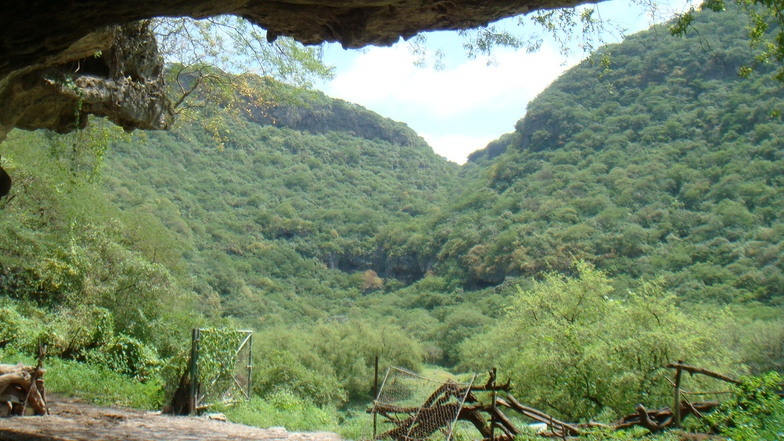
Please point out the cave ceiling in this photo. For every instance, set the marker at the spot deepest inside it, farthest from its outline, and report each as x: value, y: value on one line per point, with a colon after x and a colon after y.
x: 39, y: 40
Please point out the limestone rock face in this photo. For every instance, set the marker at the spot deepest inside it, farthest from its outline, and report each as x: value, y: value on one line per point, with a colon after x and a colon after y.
x: 32, y: 31
x: 115, y: 72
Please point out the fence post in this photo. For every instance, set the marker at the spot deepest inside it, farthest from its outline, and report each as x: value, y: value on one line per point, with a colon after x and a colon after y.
x: 250, y: 365
x: 194, y: 371
x: 676, y: 409
x: 493, y: 404
x: 375, y: 396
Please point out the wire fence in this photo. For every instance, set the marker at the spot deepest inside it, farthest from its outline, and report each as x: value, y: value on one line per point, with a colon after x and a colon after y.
x: 410, y: 407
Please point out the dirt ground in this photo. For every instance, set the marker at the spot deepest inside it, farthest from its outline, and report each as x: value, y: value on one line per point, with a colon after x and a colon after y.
x: 74, y: 420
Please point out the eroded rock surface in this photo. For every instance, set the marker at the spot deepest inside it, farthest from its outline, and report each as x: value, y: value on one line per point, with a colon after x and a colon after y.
x: 115, y: 72
x: 74, y: 420
x: 33, y: 31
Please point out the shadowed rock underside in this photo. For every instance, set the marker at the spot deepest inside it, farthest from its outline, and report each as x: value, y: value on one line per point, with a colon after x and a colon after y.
x: 61, y: 61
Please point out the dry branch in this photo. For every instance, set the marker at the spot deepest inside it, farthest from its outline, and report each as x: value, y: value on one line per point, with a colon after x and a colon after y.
x: 661, y: 418
x: 423, y: 424
x: 538, y: 415
x: 437, y: 413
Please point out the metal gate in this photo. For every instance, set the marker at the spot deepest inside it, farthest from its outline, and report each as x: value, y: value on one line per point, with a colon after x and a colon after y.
x: 221, y: 367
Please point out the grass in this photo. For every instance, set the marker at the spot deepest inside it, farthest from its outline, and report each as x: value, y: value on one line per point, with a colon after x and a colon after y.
x: 95, y: 384
x: 102, y: 386
x: 284, y: 409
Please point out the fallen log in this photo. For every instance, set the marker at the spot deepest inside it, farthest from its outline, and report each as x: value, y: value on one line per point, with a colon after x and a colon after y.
x: 21, y: 386
x: 656, y: 420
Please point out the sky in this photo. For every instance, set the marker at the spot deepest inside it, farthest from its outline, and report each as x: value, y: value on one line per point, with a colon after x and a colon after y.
x: 466, y: 104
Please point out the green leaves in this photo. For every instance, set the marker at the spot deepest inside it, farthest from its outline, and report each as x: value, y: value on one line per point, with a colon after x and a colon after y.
x: 754, y: 412
x: 200, y: 51
x: 682, y: 24
x: 579, y: 347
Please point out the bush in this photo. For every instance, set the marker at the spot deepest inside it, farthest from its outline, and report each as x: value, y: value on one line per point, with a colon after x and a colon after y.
x: 755, y: 412
x: 286, y: 409
x: 298, y: 373
x: 101, y: 385
x: 576, y: 347
x: 75, y: 332
x: 11, y: 326
x: 126, y: 355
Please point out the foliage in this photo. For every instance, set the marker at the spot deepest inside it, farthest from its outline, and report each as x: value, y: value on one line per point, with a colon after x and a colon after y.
x: 75, y: 270
x: 12, y: 326
x: 331, y: 362
x: 573, y: 346
x: 231, y: 42
x: 95, y: 383
x: 661, y: 164
x: 338, y: 235
x: 765, y: 29
x: 101, y: 385
x: 198, y: 50
x: 218, y: 357
x: 284, y: 409
x: 126, y: 355
x: 328, y: 191
x: 755, y: 411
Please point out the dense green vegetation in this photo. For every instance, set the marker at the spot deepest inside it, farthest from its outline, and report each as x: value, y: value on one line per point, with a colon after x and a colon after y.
x: 633, y: 218
x: 664, y: 163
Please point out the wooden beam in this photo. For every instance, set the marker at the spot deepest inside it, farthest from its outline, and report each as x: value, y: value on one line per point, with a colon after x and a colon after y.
x: 695, y: 370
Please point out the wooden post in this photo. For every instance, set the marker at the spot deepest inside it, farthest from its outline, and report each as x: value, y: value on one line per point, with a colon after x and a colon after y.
x: 375, y: 396
x: 193, y: 400
x: 494, y: 398
x: 250, y: 365
x: 676, y: 408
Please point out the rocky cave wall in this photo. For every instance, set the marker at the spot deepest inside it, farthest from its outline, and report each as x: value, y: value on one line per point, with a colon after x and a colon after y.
x: 48, y: 48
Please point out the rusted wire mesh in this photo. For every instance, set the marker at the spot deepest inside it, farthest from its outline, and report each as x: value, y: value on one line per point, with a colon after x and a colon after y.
x: 410, y: 407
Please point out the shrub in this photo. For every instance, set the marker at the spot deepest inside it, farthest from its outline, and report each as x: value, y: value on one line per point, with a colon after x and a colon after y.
x: 126, y: 355
x: 577, y: 347
x: 286, y: 409
x: 11, y: 325
x: 755, y: 412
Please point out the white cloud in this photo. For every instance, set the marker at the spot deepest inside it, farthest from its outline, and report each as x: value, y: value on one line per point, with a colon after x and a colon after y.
x: 456, y: 148
x: 461, y: 107
x: 469, y: 103
x: 388, y: 77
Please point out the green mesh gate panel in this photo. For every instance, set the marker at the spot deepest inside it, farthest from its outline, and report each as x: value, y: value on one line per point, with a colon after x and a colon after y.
x: 221, y: 366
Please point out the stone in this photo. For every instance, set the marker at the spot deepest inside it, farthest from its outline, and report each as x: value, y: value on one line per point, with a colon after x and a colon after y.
x: 116, y: 73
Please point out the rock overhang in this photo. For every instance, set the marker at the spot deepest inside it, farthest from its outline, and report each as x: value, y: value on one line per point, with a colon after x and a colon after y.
x: 40, y: 40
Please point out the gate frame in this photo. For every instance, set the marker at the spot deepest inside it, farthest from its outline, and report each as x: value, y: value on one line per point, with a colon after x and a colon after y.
x: 193, y: 368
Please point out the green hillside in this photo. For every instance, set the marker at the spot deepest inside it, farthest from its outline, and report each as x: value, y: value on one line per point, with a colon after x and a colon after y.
x: 284, y: 204
x: 662, y: 163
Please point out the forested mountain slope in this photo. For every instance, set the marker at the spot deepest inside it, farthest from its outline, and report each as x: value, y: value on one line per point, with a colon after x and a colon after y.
x: 114, y: 246
x: 653, y: 158
x: 281, y: 201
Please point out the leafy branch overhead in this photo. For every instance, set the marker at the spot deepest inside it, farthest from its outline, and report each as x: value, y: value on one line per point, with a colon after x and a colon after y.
x: 765, y: 30
x: 200, y: 52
